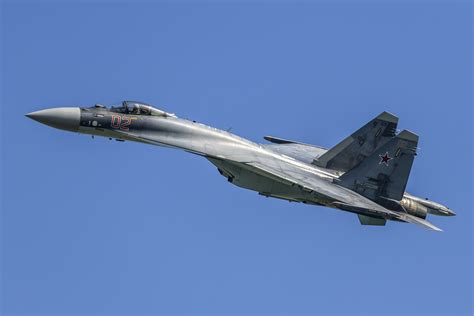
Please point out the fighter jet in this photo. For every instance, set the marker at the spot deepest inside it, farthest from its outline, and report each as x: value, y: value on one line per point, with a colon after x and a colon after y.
x: 365, y: 174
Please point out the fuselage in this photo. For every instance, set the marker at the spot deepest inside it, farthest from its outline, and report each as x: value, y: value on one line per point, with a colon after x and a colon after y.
x: 228, y: 152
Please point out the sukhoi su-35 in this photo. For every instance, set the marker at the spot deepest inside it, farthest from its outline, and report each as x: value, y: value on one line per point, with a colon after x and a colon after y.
x: 365, y: 174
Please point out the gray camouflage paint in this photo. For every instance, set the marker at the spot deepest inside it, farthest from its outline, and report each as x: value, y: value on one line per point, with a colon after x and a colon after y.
x: 350, y: 176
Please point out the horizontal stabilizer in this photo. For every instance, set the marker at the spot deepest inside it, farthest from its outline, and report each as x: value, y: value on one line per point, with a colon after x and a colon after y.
x: 282, y: 141
x: 418, y: 221
x: 277, y: 140
x: 369, y: 212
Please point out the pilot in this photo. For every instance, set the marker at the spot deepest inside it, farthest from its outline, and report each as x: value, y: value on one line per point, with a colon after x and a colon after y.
x: 136, y: 109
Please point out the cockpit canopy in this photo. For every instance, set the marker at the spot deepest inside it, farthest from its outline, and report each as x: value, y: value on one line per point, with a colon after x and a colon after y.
x: 140, y: 108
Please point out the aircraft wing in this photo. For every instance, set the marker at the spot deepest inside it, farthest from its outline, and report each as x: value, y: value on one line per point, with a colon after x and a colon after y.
x: 344, y: 198
x: 310, y: 182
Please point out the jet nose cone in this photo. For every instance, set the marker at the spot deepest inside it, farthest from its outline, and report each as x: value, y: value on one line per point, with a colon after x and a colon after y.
x: 450, y: 212
x: 62, y: 118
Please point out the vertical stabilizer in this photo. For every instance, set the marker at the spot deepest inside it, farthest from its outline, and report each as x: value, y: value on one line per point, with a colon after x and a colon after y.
x: 384, y: 174
x: 361, y: 144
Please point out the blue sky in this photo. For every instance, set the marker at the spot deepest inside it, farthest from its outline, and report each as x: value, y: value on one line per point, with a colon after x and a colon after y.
x: 97, y: 227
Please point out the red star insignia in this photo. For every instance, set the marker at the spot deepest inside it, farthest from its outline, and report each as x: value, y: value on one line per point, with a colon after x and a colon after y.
x: 384, y: 159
